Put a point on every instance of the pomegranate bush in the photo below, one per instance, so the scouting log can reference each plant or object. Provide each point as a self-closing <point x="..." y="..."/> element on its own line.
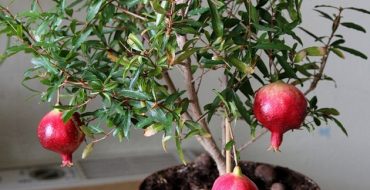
<point x="126" y="52"/>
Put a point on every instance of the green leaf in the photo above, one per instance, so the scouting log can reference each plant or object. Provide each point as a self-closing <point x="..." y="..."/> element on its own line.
<point x="325" y="15"/>
<point x="135" y="43"/>
<point x="315" y="51"/>
<point x="185" y="55"/>
<point x="136" y="76"/>
<point x="358" y="10"/>
<point x="337" y="52"/>
<point x="82" y="38"/>
<point x="272" y="45"/>
<point x="327" y="6"/>
<point x="93" y="9"/>
<point x="44" y="63"/>
<point x="300" y="56"/>
<point x="157" y="7"/>
<point x="340" y="125"/>
<point x="67" y="115"/>
<point x="353" y="26"/>
<point x="126" y="123"/>
<point x="313" y="102"/>
<point x="144" y="122"/>
<point x="179" y="148"/>
<point x="262" y="67"/>
<point x="337" y="42"/>
<point x="217" y="24"/>
<point x="135" y="94"/>
<point x="353" y="52"/>
<point x="241" y="108"/>
<point x="328" y="111"/>
<point x="286" y="66"/>
<point x="160" y="17"/>
<point x="229" y="145"/>
<point x="311" y="34"/>
<point x="198" y="11"/>
<point x="240" y="65"/>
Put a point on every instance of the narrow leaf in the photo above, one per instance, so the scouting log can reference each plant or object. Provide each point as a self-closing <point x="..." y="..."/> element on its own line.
<point x="217" y="24"/>
<point x="337" y="52"/>
<point x="185" y="55"/>
<point x="179" y="148"/>
<point x="135" y="94"/>
<point x="93" y="9"/>
<point x="240" y="65"/>
<point x="358" y="10"/>
<point x="273" y="46"/>
<point x="241" y="108"/>
<point x="353" y="52"/>
<point x="340" y="125"/>
<point x="353" y="26"/>
<point x="229" y="145"/>
<point x="315" y="51"/>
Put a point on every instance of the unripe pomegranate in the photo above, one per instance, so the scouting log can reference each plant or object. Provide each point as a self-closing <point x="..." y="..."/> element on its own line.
<point x="279" y="107"/>
<point x="60" y="137"/>
<point x="234" y="181"/>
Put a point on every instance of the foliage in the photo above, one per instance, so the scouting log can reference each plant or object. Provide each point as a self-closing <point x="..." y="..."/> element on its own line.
<point x="122" y="50"/>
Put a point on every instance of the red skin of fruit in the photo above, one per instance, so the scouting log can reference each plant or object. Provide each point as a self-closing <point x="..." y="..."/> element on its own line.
<point x="234" y="181"/>
<point x="60" y="137"/>
<point x="279" y="107"/>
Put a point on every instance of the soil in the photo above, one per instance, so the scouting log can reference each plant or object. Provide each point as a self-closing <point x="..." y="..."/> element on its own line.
<point x="200" y="175"/>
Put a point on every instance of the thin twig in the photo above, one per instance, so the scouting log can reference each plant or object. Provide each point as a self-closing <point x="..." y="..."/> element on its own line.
<point x="252" y="140"/>
<point x="131" y="13"/>
<point x="324" y="59"/>
<point x="235" y="155"/>
<point x="104" y="137"/>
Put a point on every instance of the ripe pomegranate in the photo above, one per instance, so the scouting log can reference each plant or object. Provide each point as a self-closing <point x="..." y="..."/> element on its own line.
<point x="279" y="107"/>
<point x="60" y="137"/>
<point x="234" y="181"/>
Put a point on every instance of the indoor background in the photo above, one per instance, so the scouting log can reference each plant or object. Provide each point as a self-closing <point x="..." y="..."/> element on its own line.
<point x="326" y="155"/>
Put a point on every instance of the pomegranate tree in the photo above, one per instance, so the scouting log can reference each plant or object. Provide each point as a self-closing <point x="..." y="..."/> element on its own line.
<point x="61" y="137"/>
<point x="123" y="55"/>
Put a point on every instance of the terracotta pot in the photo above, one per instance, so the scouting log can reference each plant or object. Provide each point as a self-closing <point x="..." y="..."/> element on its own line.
<point x="200" y="175"/>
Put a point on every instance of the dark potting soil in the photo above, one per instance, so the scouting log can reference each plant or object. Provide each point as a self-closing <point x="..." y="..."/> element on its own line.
<point x="200" y="175"/>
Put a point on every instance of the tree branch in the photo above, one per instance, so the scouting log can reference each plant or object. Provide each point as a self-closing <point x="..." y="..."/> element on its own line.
<point x="252" y="140"/>
<point x="208" y="144"/>
<point x="324" y="59"/>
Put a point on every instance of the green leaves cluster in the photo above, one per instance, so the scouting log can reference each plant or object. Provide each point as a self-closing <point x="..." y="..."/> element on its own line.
<point x="120" y="51"/>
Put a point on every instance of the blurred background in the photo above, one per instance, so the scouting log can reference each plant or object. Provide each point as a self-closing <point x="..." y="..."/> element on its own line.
<point x="326" y="155"/>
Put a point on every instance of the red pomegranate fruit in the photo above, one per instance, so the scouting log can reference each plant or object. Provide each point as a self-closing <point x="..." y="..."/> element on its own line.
<point x="279" y="107"/>
<point x="234" y="181"/>
<point x="60" y="137"/>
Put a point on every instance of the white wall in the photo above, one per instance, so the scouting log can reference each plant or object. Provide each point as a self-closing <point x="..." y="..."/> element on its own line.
<point x="334" y="161"/>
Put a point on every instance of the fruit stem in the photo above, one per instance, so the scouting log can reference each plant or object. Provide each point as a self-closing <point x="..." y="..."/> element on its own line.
<point x="227" y="140"/>
<point x="237" y="171"/>
<point x="234" y="146"/>
<point x="58" y="97"/>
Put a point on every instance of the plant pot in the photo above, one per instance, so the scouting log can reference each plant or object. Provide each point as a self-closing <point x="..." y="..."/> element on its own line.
<point x="200" y="175"/>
